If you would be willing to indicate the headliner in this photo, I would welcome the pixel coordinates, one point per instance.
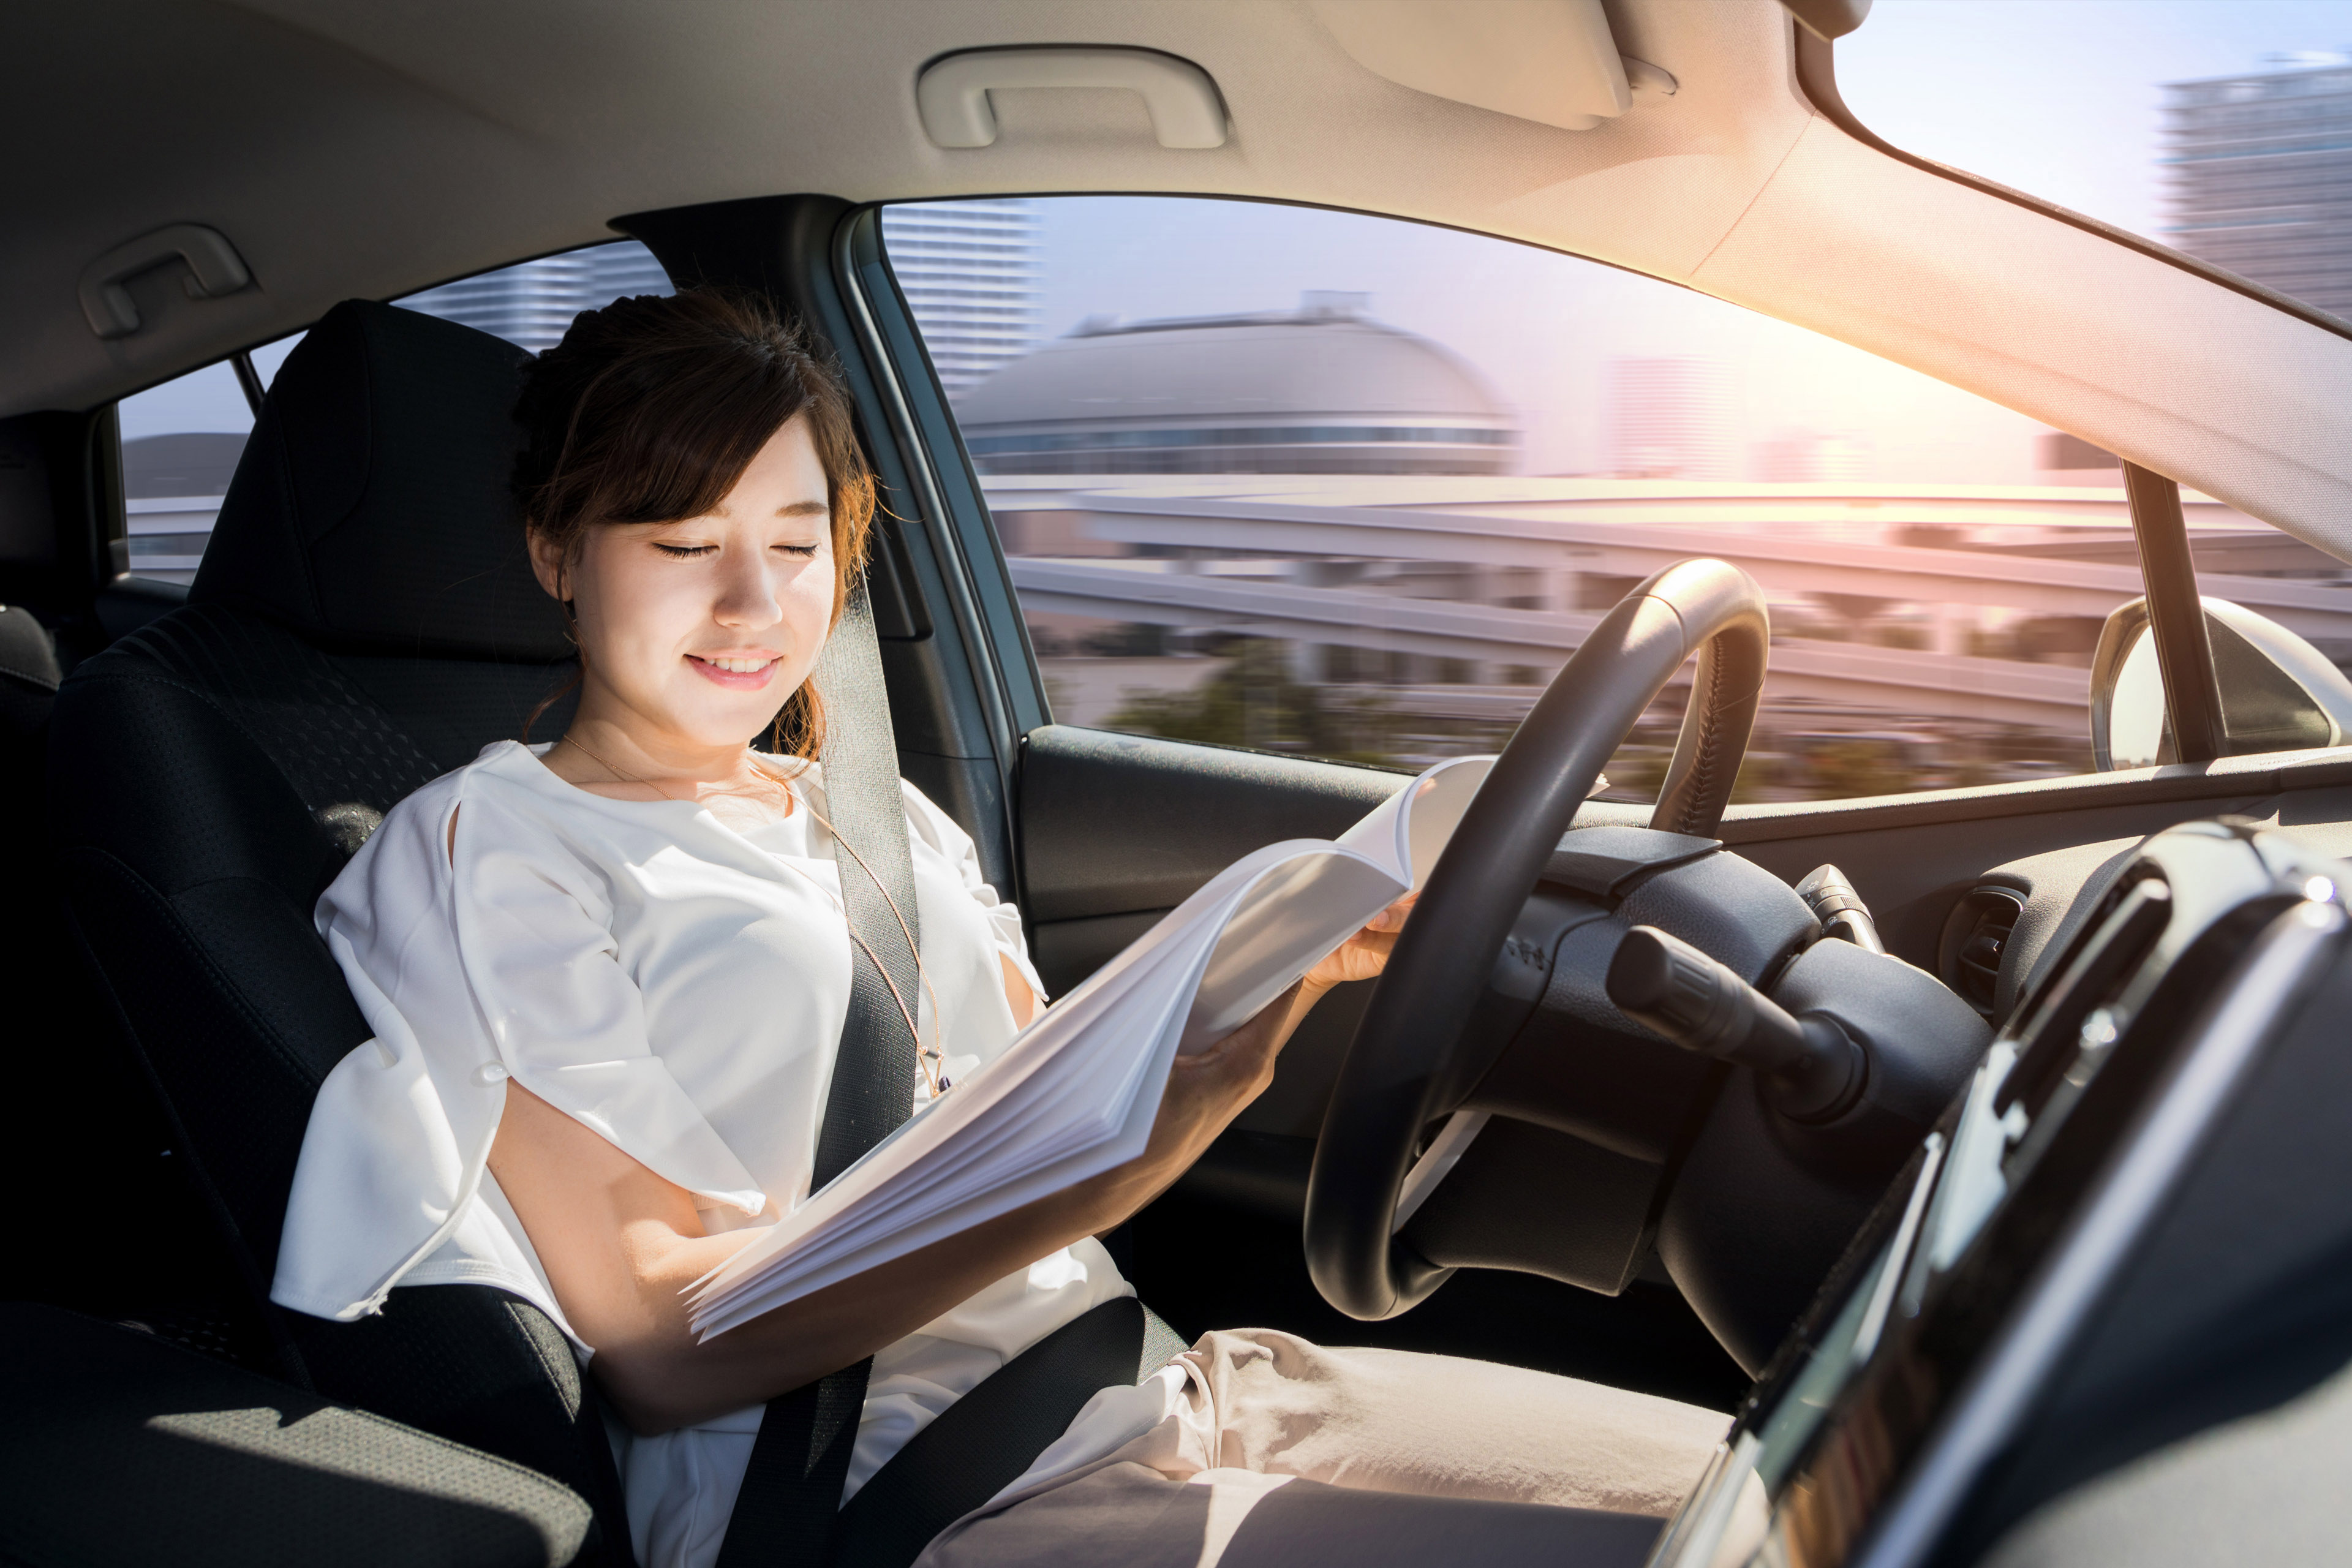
(369, 150)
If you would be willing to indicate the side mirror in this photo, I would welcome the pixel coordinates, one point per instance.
(2278, 692)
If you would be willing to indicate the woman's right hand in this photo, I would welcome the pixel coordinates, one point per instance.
(1206, 1089)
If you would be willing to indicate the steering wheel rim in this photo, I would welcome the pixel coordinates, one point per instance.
(1404, 1069)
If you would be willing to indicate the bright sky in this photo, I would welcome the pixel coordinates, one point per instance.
(2057, 97)
(1543, 328)
(208, 399)
(2060, 97)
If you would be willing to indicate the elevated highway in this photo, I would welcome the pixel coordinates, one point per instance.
(1259, 563)
(1899, 680)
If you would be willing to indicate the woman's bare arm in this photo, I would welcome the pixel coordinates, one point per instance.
(620, 1244)
(1022, 1000)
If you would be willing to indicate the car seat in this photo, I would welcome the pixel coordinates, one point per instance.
(28, 691)
(122, 1450)
(363, 621)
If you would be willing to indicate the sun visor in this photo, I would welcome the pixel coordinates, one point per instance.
(1551, 61)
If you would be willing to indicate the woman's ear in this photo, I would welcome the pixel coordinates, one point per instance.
(547, 563)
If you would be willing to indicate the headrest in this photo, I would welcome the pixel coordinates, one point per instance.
(373, 509)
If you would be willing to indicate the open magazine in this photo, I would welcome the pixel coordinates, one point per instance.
(1077, 1093)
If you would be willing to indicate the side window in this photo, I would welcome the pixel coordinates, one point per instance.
(181, 440)
(1350, 487)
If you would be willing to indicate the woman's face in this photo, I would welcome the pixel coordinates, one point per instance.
(695, 633)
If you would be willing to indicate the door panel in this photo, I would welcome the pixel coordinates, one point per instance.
(1118, 829)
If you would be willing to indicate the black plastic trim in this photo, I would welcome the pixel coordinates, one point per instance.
(2223, 779)
(248, 380)
(2176, 616)
(901, 375)
(956, 481)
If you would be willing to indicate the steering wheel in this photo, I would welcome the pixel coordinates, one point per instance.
(1406, 1066)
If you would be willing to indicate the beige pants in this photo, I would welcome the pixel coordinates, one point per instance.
(1281, 1452)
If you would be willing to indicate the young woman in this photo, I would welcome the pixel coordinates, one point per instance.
(607, 979)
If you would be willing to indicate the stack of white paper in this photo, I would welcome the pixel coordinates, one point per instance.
(1075, 1094)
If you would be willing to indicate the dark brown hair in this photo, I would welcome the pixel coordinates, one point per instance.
(649, 411)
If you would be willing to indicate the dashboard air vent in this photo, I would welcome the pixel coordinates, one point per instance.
(1974, 940)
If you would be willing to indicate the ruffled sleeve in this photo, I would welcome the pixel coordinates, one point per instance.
(935, 827)
(499, 965)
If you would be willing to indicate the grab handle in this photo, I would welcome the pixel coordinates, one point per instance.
(214, 268)
(952, 92)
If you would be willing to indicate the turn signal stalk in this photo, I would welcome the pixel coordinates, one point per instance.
(1666, 985)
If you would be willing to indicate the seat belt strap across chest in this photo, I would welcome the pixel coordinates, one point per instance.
(788, 1508)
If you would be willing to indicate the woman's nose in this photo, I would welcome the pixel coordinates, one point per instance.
(748, 597)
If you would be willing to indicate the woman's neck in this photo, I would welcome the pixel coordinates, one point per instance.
(608, 754)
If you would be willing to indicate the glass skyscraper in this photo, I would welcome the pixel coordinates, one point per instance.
(969, 271)
(2260, 175)
(533, 303)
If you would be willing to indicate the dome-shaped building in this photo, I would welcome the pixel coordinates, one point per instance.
(1319, 390)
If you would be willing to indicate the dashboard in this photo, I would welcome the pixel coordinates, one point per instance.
(1964, 1364)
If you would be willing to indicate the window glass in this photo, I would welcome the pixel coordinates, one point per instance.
(2222, 128)
(2218, 127)
(1355, 487)
(181, 440)
(532, 303)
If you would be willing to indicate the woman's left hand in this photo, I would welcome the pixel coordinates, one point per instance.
(1363, 956)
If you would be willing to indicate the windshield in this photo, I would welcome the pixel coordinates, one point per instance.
(2222, 128)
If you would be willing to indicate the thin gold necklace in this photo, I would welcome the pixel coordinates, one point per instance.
(929, 1059)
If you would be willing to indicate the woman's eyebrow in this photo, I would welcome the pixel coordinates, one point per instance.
(789, 509)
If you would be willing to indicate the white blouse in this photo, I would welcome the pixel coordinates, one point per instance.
(677, 985)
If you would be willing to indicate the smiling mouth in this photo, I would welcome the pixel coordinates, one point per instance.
(743, 674)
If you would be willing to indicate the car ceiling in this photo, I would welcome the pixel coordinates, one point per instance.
(369, 150)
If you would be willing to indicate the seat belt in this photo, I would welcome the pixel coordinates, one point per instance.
(788, 1512)
(789, 1506)
(982, 1444)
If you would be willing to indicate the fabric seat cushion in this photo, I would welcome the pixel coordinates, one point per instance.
(120, 1448)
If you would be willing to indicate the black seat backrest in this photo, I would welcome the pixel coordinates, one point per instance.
(365, 620)
(28, 914)
(28, 691)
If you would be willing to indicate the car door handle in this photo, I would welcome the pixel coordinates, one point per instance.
(952, 92)
(214, 268)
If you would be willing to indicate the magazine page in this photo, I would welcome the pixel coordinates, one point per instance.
(1076, 1093)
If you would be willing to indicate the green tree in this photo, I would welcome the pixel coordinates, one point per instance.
(1255, 700)
(1846, 769)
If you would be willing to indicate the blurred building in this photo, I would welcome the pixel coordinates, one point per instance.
(532, 303)
(1323, 389)
(970, 272)
(1806, 456)
(1669, 419)
(2261, 175)
(2060, 458)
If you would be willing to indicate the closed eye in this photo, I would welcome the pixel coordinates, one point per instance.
(685, 552)
(805, 551)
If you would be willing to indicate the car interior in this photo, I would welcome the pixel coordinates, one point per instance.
(2017, 1243)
